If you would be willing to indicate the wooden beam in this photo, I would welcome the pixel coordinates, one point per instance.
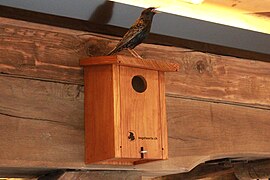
(217, 106)
(51, 53)
(97, 26)
(131, 62)
(200, 131)
(42, 126)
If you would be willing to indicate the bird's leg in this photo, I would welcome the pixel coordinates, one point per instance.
(134, 53)
(138, 56)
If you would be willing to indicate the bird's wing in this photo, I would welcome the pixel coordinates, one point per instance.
(134, 30)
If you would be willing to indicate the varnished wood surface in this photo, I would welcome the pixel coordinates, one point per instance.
(140, 114)
(131, 62)
(114, 110)
(99, 114)
(163, 117)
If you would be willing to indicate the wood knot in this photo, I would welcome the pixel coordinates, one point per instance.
(201, 66)
(97, 50)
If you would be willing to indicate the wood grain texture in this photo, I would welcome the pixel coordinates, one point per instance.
(216, 105)
(131, 62)
(51, 53)
(24, 50)
(120, 123)
(60, 21)
(40, 123)
(99, 114)
(213, 130)
(163, 117)
(140, 114)
(117, 110)
(50, 132)
(221, 79)
(199, 131)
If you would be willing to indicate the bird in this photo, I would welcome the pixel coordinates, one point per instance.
(136, 33)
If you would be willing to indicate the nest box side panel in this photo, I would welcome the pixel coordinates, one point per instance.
(163, 119)
(99, 113)
(117, 110)
(140, 114)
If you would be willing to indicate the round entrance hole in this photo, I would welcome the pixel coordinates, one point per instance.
(139, 84)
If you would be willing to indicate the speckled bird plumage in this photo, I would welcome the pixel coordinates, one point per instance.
(137, 32)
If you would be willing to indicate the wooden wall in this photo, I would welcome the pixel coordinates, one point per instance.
(217, 106)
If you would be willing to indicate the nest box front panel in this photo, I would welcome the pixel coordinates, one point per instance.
(140, 113)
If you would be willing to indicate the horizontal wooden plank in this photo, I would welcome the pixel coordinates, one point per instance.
(222, 79)
(213, 131)
(51, 53)
(131, 62)
(96, 25)
(40, 54)
(39, 122)
(41, 125)
(199, 131)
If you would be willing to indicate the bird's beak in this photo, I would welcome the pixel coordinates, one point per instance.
(155, 10)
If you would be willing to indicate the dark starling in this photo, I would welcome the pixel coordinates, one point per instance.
(137, 32)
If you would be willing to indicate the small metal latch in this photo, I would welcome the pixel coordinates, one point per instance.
(142, 152)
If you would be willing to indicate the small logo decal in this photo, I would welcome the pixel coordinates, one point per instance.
(147, 138)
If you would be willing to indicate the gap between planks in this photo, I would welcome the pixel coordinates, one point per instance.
(218, 101)
(38, 119)
(40, 79)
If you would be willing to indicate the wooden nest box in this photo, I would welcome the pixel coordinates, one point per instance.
(125, 118)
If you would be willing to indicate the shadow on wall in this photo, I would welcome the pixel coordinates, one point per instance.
(103, 13)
